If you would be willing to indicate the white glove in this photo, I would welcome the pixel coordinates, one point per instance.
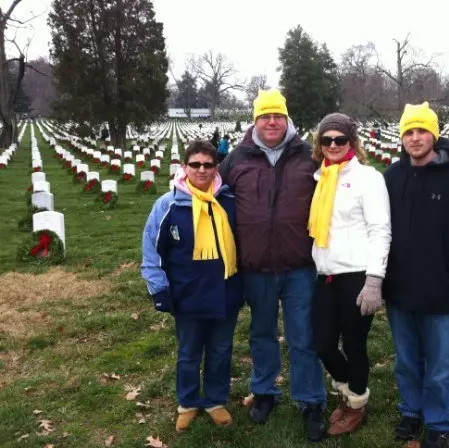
(370, 297)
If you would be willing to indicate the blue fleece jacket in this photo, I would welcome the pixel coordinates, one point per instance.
(176, 282)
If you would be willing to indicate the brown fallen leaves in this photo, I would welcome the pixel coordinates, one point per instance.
(46, 427)
(132, 392)
(135, 316)
(155, 442)
(109, 441)
(248, 401)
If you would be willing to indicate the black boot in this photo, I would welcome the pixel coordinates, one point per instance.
(261, 408)
(408, 428)
(314, 422)
(435, 439)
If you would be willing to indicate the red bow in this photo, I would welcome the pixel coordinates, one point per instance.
(107, 197)
(90, 185)
(127, 177)
(147, 185)
(42, 248)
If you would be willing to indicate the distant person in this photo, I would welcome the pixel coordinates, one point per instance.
(215, 140)
(190, 265)
(271, 174)
(223, 148)
(417, 279)
(350, 224)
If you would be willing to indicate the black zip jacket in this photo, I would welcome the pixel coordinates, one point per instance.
(417, 276)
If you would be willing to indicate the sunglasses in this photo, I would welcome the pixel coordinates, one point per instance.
(198, 165)
(341, 140)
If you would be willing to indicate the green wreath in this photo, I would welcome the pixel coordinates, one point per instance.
(79, 178)
(93, 186)
(107, 199)
(127, 178)
(146, 186)
(42, 248)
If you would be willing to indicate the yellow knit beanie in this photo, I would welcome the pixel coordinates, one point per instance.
(269, 102)
(419, 116)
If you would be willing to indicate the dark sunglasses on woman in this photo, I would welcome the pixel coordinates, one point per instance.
(341, 140)
(197, 165)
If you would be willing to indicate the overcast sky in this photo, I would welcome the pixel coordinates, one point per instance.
(250, 32)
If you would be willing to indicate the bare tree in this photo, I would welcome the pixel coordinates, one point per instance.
(255, 84)
(218, 76)
(9, 85)
(406, 65)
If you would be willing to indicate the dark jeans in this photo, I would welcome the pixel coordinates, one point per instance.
(335, 314)
(422, 365)
(295, 289)
(210, 337)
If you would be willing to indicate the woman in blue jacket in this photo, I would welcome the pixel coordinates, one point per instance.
(190, 265)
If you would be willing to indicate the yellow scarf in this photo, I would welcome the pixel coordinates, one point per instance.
(323, 203)
(205, 247)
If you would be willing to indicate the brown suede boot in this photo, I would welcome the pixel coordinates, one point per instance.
(341, 389)
(351, 420)
(220, 416)
(185, 418)
(338, 412)
(354, 415)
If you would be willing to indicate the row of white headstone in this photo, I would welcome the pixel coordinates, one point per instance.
(42, 197)
(7, 154)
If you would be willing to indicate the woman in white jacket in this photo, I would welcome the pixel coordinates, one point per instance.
(350, 224)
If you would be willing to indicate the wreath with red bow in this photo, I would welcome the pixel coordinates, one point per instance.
(43, 248)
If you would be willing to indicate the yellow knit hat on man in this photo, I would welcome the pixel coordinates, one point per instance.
(269, 102)
(419, 116)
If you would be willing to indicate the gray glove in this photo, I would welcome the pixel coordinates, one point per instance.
(370, 297)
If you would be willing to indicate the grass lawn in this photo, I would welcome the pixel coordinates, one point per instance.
(83, 355)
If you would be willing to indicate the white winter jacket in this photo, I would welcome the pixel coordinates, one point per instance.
(360, 229)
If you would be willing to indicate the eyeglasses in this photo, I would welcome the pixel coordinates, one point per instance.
(198, 165)
(340, 140)
(275, 117)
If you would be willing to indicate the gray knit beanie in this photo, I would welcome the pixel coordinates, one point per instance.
(338, 122)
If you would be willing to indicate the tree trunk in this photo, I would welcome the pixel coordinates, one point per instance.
(117, 133)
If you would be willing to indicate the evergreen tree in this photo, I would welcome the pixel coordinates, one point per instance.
(309, 79)
(109, 62)
(187, 97)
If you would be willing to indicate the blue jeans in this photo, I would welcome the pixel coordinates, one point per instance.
(295, 289)
(422, 365)
(213, 338)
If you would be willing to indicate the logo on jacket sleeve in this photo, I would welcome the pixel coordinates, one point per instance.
(436, 196)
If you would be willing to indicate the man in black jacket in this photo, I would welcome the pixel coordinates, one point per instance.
(417, 280)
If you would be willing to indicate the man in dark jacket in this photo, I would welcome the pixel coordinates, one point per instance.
(271, 175)
(417, 280)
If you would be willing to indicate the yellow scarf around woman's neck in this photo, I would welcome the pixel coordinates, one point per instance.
(205, 247)
(323, 203)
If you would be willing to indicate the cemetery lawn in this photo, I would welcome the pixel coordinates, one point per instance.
(83, 355)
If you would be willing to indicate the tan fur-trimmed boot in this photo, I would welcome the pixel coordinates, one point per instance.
(340, 389)
(220, 415)
(354, 415)
(185, 418)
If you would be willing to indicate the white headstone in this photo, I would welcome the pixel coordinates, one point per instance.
(146, 151)
(97, 155)
(53, 221)
(128, 154)
(117, 162)
(37, 163)
(76, 162)
(129, 168)
(38, 177)
(109, 185)
(3, 160)
(160, 154)
(118, 152)
(41, 186)
(155, 162)
(106, 158)
(109, 148)
(136, 148)
(93, 175)
(174, 167)
(82, 168)
(147, 175)
(140, 158)
(43, 200)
